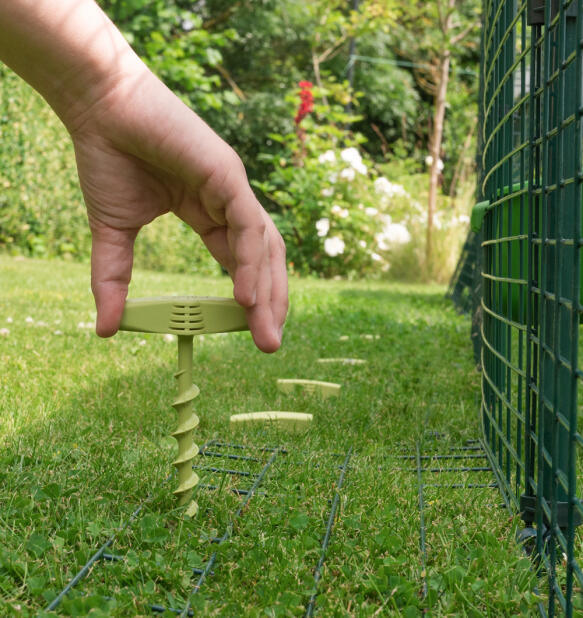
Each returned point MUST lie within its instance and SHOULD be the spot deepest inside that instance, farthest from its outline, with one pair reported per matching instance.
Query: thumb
(112, 254)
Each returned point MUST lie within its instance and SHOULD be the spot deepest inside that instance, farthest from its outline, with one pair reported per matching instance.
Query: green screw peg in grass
(325, 389)
(184, 316)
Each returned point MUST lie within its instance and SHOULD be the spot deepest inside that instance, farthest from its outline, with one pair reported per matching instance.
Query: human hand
(142, 153)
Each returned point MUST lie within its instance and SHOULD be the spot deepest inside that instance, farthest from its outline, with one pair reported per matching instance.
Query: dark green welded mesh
(462, 281)
(531, 141)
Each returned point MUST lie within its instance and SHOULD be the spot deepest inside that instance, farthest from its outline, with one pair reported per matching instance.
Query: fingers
(279, 288)
(266, 315)
(259, 276)
(111, 270)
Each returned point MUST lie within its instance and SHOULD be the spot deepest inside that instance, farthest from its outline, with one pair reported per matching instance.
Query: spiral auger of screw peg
(185, 317)
(187, 423)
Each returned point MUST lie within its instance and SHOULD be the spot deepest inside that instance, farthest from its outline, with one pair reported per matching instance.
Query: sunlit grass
(84, 426)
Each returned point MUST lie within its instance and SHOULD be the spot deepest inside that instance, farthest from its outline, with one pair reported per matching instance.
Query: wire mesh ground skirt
(445, 469)
(233, 477)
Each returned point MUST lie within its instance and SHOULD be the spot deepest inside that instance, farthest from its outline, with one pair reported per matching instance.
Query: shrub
(41, 206)
(338, 212)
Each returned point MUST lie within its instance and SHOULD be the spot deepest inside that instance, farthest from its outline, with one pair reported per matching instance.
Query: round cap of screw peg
(183, 315)
(293, 421)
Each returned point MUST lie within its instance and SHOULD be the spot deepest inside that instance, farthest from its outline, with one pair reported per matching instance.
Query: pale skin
(142, 153)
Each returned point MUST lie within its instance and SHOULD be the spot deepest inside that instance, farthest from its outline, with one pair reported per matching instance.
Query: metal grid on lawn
(440, 466)
(531, 106)
(251, 466)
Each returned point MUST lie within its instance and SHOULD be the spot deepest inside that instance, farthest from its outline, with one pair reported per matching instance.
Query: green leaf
(152, 531)
(52, 490)
(37, 544)
(299, 521)
(213, 56)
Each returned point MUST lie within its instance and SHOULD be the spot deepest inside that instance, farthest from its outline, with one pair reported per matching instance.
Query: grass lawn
(84, 439)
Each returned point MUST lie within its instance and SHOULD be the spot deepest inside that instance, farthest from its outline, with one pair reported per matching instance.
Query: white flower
(29, 320)
(333, 178)
(353, 158)
(384, 186)
(142, 342)
(334, 246)
(168, 338)
(340, 212)
(360, 168)
(351, 155)
(376, 257)
(9, 320)
(58, 332)
(323, 226)
(348, 174)
(362, 244)
(327, 192)
(392, 234)
(327, 157)
(371, 212)
(4, 332)
(396, 234)
(382, 243)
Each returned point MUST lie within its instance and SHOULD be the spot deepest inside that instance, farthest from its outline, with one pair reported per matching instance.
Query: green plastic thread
(187, 422)
(184, 316)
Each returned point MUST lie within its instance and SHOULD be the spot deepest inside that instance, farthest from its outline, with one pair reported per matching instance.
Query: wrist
(68, 50)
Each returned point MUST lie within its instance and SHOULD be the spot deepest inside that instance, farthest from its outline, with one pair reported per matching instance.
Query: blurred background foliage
(374, 66)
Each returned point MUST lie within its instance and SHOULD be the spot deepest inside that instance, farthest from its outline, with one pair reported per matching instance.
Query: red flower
(306, 101)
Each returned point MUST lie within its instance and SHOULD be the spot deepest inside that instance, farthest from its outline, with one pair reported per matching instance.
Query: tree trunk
(435, 150)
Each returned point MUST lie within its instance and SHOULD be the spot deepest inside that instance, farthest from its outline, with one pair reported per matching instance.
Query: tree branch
(227, 76)
(462, 35)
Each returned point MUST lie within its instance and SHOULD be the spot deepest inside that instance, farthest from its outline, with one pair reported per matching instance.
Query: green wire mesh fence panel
(505, 164)
(462, 281)
(531, 142)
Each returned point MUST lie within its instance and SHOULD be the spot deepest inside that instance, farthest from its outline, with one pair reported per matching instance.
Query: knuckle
(261, 227)
(279, 248)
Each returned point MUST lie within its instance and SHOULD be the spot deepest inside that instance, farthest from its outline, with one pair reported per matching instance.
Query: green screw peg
(325, 389)
(184, 316)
